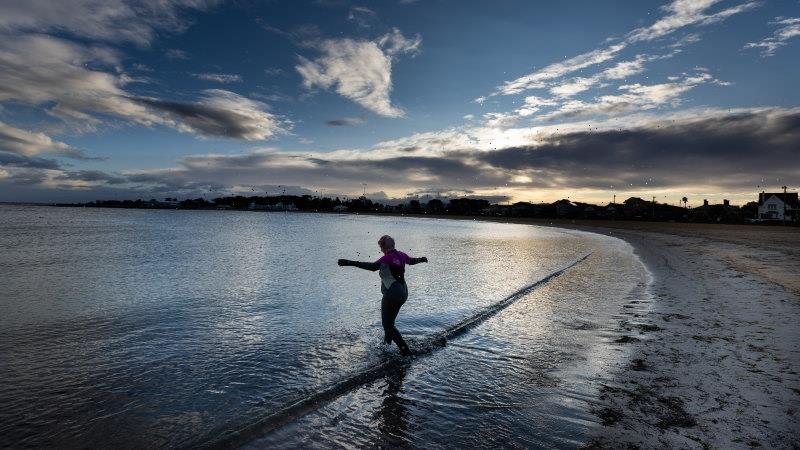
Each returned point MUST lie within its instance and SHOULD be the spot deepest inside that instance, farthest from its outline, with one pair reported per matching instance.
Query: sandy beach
(714, 359)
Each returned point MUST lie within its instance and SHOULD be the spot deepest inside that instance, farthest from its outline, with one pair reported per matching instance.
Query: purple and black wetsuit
(393, 287)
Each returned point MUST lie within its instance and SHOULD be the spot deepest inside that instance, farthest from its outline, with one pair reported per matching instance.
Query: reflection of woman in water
(393, 286)
(393, 415)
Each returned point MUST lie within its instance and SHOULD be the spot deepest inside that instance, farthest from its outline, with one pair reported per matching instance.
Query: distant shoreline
(578, 223)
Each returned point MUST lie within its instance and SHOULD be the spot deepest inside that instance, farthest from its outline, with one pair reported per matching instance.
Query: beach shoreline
(714, 363)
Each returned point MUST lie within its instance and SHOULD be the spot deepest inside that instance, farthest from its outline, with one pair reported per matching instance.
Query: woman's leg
(392, 300)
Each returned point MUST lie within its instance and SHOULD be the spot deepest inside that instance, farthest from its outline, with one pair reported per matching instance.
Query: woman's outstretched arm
(417, 261)
(371, 266)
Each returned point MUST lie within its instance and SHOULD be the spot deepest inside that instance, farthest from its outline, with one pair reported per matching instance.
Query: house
(778, 206)
(613, 211)
(566, 208)
(522, 209)
(340, 208)
(715, 213)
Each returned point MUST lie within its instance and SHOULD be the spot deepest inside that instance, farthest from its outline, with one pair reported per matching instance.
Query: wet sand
(714, 363)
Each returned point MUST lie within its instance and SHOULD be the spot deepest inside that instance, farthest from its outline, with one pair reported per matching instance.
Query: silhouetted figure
(393, 286)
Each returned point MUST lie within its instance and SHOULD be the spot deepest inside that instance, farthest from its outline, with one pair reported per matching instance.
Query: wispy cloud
(13, 160)
(106, 20)
(538, 79)
(620, 71)
(789, 27)
(300, 35)
(625, 69)
(500, 120)
(634, 97)
(89, 177)
(176, 53)
(218, 113)
(362, 16)
(678, 14)
(219, 77)
(359, 70)
(682, 13)
(27, 143)
(346, 122)
(533, 104)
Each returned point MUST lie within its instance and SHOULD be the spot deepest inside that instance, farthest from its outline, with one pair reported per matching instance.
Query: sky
(504, 100)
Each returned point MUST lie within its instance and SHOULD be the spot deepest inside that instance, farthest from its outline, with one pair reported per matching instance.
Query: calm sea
(135, 328)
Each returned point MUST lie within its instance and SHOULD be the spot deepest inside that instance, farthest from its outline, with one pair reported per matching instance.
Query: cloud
(625, 69)
(26, 143)
(107, 20)
(219, 113)
(359, 70)
(219, 77)
(533, 104)
(682, 13)
(300, 35)
(789, 28)
(394, 43)
(175, 53)
(621, 70)
(17, 160)
(68, 80)
(679, 14)
(687, 152)
(272, 71)
(536, 80)
(91, 176)
(683, 41)
(362, 16)
(574, 86)
(500, 120)
(346, 122)
(634, 97)
(727, 151)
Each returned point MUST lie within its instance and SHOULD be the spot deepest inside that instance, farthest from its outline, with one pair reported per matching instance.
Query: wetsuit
(394, 290)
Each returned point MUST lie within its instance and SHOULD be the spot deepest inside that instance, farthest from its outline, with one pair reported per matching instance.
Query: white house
(773, 206)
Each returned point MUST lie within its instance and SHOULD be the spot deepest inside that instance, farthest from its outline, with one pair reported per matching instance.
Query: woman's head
(386, 243)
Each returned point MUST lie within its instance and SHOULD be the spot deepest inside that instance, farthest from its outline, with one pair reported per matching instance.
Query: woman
(393, 286)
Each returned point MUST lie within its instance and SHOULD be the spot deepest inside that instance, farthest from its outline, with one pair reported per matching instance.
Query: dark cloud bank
(731, 152)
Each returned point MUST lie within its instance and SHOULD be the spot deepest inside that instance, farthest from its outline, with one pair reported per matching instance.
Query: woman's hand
(424, 259)
(345, 262)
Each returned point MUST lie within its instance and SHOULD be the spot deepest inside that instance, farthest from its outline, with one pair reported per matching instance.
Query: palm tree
(684, 200)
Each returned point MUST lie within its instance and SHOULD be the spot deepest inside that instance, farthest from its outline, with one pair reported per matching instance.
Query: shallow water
(136, 328)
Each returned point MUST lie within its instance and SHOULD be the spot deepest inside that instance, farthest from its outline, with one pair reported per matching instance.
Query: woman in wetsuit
(393, 286)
